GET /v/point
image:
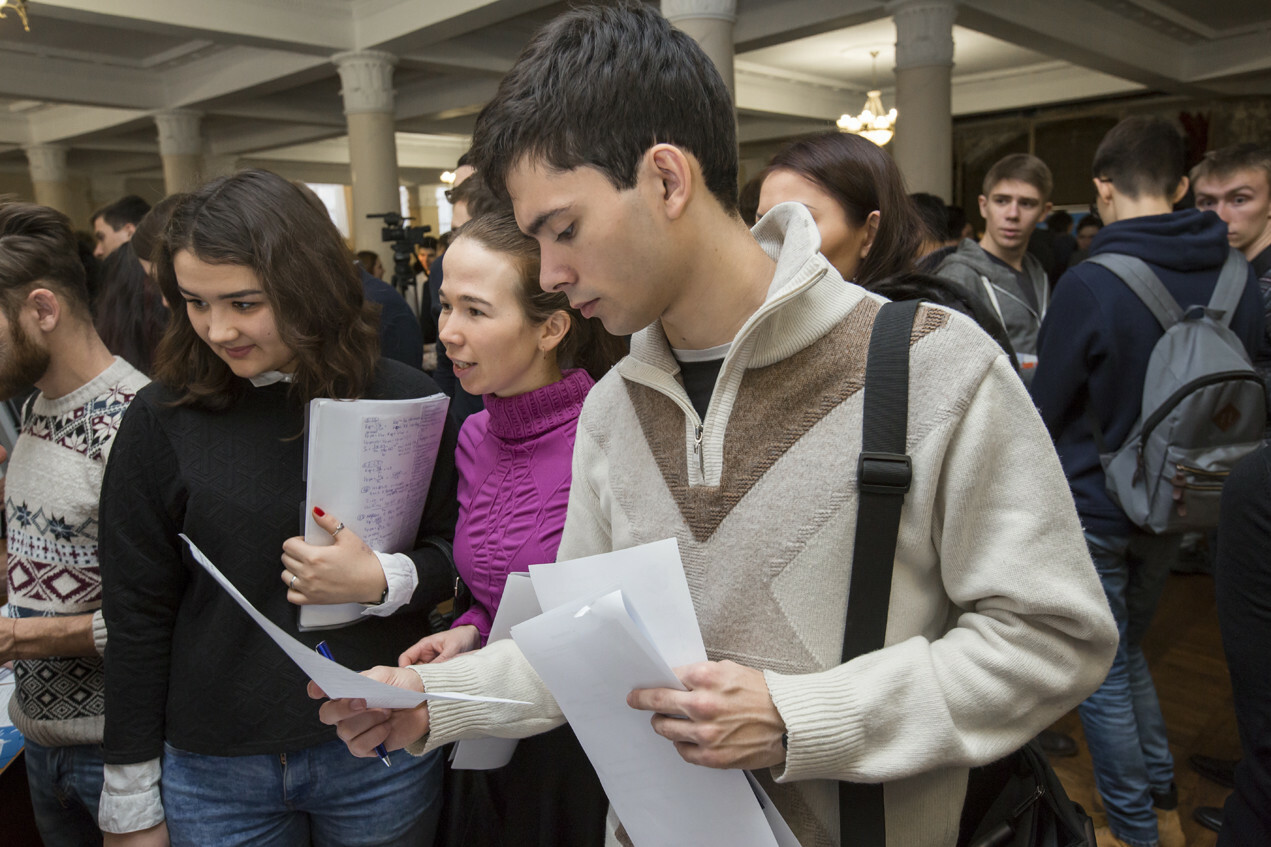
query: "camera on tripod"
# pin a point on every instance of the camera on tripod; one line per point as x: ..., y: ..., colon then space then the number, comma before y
x: 404, y: 240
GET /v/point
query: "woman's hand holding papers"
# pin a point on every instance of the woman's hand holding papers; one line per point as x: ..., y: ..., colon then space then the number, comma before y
x: 347, y: 571
x: 361, y: 729
x: 725, y: 720
x: 441, y: 646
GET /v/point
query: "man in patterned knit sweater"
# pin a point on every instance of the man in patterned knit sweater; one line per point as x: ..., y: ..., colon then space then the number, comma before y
x: 735, y: 425
x: 52, y: 488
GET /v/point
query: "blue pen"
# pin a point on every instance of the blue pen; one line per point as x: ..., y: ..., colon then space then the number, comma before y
x: 380, y: 749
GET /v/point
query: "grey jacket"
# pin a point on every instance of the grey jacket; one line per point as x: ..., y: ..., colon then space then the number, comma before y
x: 971, y: 268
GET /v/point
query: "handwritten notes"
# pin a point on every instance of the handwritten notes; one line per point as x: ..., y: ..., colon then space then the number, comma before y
x: 369, y: 464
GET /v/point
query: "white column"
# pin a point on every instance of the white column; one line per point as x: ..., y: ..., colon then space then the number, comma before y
x: 47, y: 163
x: 181, y: 148
x: 923, y: 146
x: 366, y: 80
x: 710, y: 23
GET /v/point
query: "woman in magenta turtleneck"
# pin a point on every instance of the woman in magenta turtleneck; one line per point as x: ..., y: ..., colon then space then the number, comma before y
x: 533, y: 360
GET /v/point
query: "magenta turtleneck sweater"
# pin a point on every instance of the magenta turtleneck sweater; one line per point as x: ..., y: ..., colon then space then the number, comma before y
x: 514, y: 463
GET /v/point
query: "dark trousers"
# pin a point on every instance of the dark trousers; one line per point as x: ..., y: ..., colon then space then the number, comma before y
x: 1242, y: 576
x: 547, y: 796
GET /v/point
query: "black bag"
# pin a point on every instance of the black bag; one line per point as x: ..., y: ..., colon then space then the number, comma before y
x: 1016, y: 801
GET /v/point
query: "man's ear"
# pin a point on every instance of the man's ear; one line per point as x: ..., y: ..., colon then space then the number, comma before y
x: 1103, y: 188
x: 47, y: 308
x: 553, y: 330
x: 673, y: 173
x: 1181, y: 191
x: 984, y: 207
x: 128, y: 228
x: 1046, y: 210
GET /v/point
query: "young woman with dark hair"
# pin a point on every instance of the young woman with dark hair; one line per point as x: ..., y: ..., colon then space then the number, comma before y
x: 203, y: 712
x: 533, y: 359
x: 869, y: 227
x: 129, y: 312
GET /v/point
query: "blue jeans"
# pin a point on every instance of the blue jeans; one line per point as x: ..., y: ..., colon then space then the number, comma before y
x: 1122, y: 720
x: 320, y: 795
x: 66, y: 785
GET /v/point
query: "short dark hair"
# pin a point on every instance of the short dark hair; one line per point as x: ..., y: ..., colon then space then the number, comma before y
x: 125, y: 210
x: 1225, y: 161
x: 862, y: 178
x: 932, y: 212
x: 367, y: 259
x: 258, y: 220
x: 1024, y: 167
x: 38, y: 249
x: 1059, y: 221
x: 1142, y: 155
x: 476, y: 194
x: 1090, y: 221
x: 599, y: 86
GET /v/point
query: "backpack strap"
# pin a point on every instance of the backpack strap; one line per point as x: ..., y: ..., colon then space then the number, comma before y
x: 1230, y: 287
x: 883, y: 474
x: 1135, y: 273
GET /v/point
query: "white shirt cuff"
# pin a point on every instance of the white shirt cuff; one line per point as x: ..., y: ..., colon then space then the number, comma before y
x: 402, y: 578
x: 130, y: 799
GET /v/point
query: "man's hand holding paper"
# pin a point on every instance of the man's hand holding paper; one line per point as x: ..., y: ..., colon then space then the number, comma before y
x: 726, y: 718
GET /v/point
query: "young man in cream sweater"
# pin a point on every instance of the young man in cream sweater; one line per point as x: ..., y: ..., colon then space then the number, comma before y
x: 735, y: 424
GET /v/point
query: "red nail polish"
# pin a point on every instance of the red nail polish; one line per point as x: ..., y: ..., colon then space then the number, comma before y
x: 319, y: 512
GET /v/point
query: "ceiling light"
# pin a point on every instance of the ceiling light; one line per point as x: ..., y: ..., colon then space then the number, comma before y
x: 872, y: 123
x: 18, y: 6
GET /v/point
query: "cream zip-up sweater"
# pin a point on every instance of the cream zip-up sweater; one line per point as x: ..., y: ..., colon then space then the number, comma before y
x: 997, y: 623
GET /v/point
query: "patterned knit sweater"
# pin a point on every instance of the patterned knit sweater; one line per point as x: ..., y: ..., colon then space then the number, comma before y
x: 51, y: 498
x: 997, y: 622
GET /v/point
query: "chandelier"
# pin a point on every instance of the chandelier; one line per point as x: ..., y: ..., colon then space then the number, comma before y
x: 872, y: 122
x: 18, y: 6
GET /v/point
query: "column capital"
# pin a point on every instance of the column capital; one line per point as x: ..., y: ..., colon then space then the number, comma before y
x: 720, y: 10
x: 924, y: 32
x: 366, y: 80
x: 47, y: 162
x: 179, y: 132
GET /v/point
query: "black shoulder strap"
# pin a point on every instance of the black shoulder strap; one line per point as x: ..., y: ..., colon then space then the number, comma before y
x: 883, y: 474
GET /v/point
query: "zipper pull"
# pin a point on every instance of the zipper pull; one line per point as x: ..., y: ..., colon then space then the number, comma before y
x: 697, y: 448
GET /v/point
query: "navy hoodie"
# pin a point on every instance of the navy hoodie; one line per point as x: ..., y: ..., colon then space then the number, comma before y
x: 1095, y: 342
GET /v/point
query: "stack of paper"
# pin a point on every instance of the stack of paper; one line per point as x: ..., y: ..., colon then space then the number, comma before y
x: 369, y: 464
x: 615, y: 623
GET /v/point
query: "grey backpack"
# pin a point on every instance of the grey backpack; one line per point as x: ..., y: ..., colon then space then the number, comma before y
x: 1204, y: 405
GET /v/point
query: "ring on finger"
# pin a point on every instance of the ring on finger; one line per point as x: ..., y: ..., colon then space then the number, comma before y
x: 292, y: 586
x: 338, y: 529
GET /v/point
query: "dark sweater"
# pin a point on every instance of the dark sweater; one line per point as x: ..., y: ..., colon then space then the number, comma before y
x: 1097, y: 337
x: 185, y: 664
x: 400, y: 336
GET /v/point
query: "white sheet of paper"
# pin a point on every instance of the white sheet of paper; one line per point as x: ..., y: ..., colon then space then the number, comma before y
x: 780, y: 829
x: 517, y: 604
x: 369, y: 464
x: 591, y: 654
x: 651, y: 576
x: 332, y: 677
